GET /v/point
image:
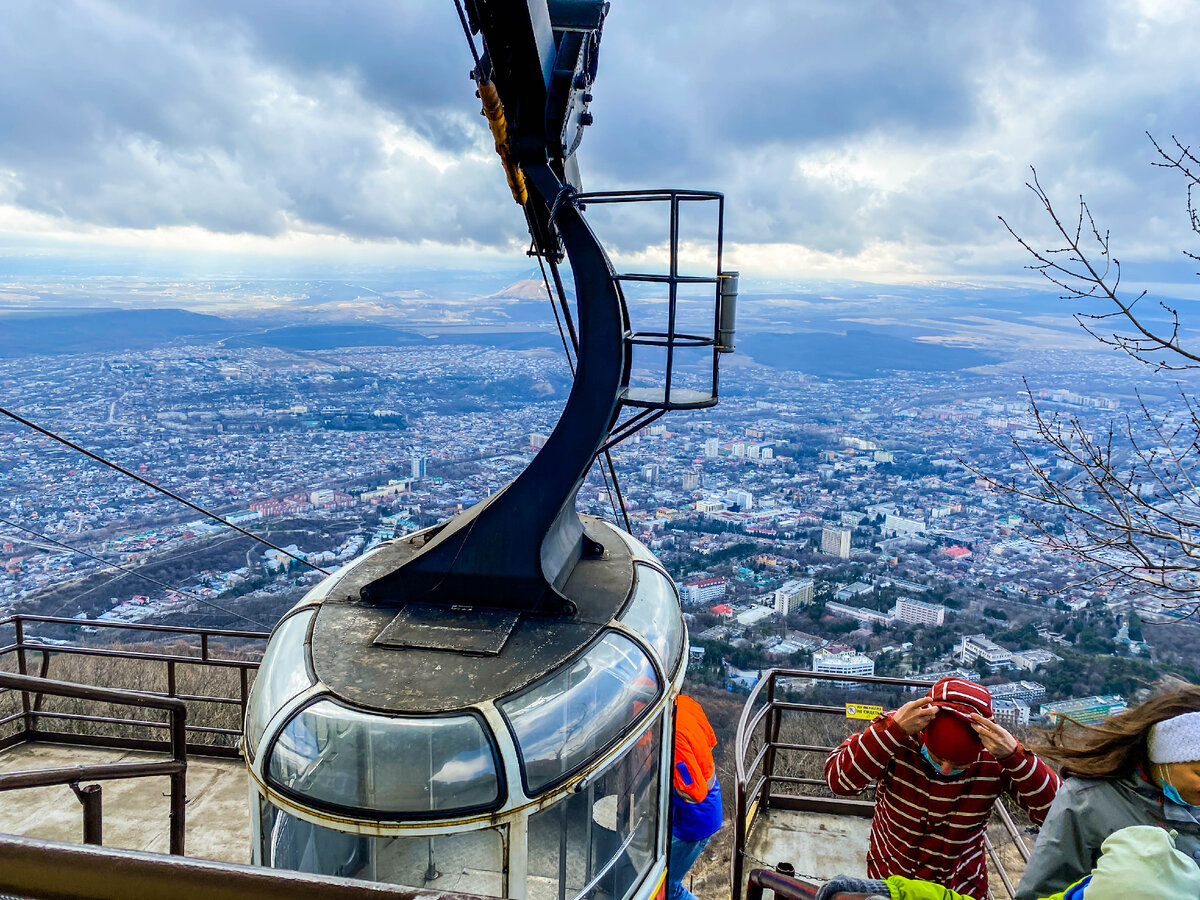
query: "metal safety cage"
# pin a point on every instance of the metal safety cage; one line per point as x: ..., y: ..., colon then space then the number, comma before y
x: 671, y: 340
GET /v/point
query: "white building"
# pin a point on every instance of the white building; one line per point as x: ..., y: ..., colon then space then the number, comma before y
x: 857, y: 589
x: 1029, y: 660
x: 860, y: 614
x: 835, y: 541
x: 702, y: 590
x: 896, y: 526
x: 712, y: 448
x: 744, y: 499
x: 754, y: 615
x: 1019, y: 690
x: 845, y: 663
x: 1010, y: 713
x: 980, y: 646
x: 792, y: 594
x: 918, y: 612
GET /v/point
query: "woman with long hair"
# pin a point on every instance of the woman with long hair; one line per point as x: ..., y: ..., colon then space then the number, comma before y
x: 1141, y: 767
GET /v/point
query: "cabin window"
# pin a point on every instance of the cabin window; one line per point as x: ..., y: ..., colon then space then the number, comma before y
x: 281, y: 676
x: 345, y: 758
x: 601, y: 840
x: 654, y: 613
x: 469, y: 862
x: 572, y: 717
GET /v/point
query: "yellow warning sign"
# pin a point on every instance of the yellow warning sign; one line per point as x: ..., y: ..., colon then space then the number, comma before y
x: 862, y: 711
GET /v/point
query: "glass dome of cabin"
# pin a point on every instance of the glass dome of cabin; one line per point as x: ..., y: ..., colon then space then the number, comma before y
x: 468, y: 749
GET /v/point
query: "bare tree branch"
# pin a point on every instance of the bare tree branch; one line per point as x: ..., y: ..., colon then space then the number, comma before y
x: 1084, y: 268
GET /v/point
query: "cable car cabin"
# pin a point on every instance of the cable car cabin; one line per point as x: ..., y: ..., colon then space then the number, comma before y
x: 473, y: 750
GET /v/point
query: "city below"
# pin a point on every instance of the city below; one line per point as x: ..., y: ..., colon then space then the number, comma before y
x: 840, y: 523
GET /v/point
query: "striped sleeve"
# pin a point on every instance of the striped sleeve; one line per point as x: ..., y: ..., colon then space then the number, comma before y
x: 1033, y: 784
x: 863, y: 757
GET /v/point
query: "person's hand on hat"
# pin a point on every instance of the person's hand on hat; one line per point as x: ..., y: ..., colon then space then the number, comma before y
x: 914, y: 715
x: 994, y: 736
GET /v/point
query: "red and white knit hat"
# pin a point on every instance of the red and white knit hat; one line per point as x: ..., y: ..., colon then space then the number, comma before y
x: 961, y: 697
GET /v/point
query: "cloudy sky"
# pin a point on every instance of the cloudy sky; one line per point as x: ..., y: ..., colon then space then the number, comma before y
x: 863, y: 140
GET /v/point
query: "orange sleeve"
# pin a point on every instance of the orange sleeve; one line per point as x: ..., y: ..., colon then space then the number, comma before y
x: 694, y: 740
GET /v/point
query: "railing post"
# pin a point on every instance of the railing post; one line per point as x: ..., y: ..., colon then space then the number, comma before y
x: 170, y: 678
x: 771, y: 737
x: 244, y: 695
x: 204, y: 646
x: 23, y: 669
x: 178, y: 780
x: 93, y: 819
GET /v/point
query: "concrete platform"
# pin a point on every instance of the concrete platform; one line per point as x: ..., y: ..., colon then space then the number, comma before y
x: 135, y: 809
x: 821, y: 845
x: 818, y: 845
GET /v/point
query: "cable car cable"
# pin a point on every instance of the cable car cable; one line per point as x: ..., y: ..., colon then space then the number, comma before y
x: 617, y: 485
x: 134, y: 572
x: 557, y: 321
x: 462, y: 17
x: 607, y: 487
x: 150, y: 484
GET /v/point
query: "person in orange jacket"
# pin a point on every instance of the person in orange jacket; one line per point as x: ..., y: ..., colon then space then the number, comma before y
x: 696, y: 794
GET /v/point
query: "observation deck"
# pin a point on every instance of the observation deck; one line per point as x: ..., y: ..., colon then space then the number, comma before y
x: 787, y: 821
x: 105, y: 717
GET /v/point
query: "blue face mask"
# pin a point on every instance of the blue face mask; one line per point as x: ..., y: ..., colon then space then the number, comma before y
x: 933, y: 765
x: 1172, y: 794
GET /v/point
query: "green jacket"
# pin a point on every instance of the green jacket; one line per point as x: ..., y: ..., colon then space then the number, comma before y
x: 902, y: 888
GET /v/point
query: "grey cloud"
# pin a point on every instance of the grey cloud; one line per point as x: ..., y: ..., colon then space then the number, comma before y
x: 260, y: 117
x: 131, y: 120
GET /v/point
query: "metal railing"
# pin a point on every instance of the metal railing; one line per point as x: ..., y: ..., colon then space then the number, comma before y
x: 175, y: 768
x: 751, y: 799
x: 785, y: 887
x: 36, y: 869
x: 34, y: 722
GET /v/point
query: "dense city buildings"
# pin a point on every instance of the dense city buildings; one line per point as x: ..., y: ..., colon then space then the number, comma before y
x: 840, y: 518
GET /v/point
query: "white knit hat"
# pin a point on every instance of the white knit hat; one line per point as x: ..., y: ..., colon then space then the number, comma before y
x: 1175, y: 740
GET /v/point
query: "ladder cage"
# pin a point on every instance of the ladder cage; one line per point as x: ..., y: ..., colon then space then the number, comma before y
x: 687, y: 337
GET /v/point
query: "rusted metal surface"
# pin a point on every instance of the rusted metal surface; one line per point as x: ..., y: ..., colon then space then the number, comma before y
x: 93, y: 812
x: 348, y: 657
x: 784, y: 888
x: 47, y: 870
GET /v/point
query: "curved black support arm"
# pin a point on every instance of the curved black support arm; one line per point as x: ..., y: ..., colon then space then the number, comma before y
x: 516, y: 549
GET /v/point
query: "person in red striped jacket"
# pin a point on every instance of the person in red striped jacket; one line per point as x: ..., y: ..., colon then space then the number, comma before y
x: 941, y: 764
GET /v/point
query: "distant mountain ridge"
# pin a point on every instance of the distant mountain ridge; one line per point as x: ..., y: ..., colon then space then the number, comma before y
x: 117, y: 331
x: 87, y: 331
x: 857, y: 354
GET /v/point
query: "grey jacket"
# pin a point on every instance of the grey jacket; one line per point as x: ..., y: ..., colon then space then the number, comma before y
x: 1085, y: 812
